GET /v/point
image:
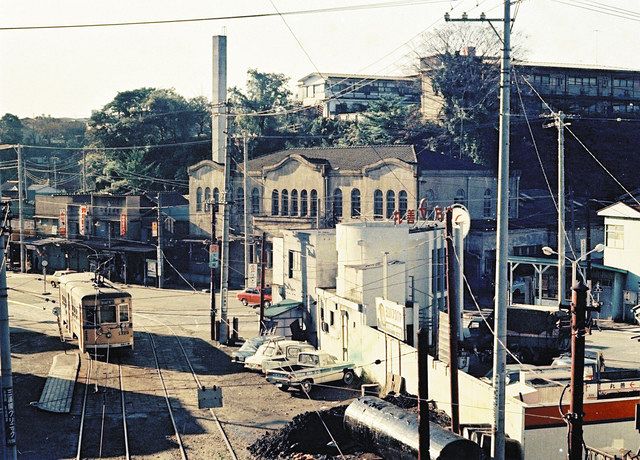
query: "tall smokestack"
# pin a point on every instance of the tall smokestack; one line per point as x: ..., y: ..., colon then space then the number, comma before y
x: 219, y: 99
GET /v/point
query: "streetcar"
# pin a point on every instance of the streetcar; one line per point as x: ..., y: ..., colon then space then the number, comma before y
x: 95, y: 312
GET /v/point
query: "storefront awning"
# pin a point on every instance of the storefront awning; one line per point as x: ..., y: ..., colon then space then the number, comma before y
x: 281, y: 307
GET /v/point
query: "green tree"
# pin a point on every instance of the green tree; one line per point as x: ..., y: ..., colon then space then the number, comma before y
x: 166, y: 128
x: 11, y: 129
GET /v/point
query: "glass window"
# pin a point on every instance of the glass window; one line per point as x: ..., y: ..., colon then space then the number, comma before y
x: 285, y: 202
x: 107, y: 313
x: 294, y: 202
x: 216, y: 197
x: 304, y: 203
x: 124, y: 313
x: 614, y: 236
x: 255, y: 201
x: 207, y: 199
x: 402, y: 202
x: 377, y: 204
x: 90, y: 316
x: 199, y: 199
x: 391, y: 203
x: 460, y: 197
x: 313, y: 206
x: 337, y: 203
x: 275, y: 202
x: 356, y: 210
x: 487, y: 203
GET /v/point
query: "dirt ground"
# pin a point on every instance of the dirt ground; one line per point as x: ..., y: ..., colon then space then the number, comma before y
x: 251, y: 408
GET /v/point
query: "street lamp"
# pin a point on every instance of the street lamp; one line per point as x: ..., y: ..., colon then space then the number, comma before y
x: 547, y: 251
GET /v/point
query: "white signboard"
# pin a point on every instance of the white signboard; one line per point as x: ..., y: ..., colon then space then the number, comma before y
x: 390, y: 316
x: 252, y: 276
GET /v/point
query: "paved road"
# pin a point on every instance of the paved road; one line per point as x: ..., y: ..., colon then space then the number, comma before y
x: 251, y: 405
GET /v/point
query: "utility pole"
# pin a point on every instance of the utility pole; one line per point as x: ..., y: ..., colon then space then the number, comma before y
x: 84, y: 171
x: 424, y: 434
x: 263, y: 265
x: 245, y: 150
x: 212, y: 268
x: 576, y: 415
x: 558, y: 122
x: 20, y: 210
x: 5, y: 359
x: 160, y: 254
x: 502, y: 233
x: 452, y: 307
x: 224, y: 272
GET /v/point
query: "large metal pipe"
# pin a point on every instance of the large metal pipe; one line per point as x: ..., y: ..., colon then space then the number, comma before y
x: 393, y: 432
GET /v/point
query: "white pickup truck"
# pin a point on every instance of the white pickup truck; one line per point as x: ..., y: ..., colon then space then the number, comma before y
x: 276, y: 353
x: 312, y: 368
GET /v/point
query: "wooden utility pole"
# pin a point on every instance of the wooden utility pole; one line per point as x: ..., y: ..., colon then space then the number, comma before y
x: 212, y: 269
x: 21, y: 199
x: 575, y: 416
x: 245, y: 151
x: 159, y: 253
x: 263, y: 265
x: 454, y: 314
x: 423, y: 395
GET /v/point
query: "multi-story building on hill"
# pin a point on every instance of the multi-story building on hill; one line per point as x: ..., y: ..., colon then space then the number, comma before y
x: 345, y: 95
x: 573, y: 88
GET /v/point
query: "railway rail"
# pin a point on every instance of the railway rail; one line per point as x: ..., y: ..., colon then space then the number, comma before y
x: 103, y: 420
x: 196, y: 380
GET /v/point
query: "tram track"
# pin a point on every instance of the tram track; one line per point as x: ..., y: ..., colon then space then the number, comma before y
x: 103, y: 430
x: 196, y: 381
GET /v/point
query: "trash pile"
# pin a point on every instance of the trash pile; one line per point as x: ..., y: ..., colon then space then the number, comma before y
x: 410, y: 403
x: 306, y: 434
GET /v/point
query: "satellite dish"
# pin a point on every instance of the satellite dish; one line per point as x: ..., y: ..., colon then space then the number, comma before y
x: 461, y: 217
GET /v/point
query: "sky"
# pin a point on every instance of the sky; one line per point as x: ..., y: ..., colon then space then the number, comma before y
x: 70, y: 72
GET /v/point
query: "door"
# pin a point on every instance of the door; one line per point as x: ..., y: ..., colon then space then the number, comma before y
x: 345, y: 336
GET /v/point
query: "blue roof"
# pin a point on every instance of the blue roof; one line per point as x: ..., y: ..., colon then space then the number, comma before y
x: 281, y: 307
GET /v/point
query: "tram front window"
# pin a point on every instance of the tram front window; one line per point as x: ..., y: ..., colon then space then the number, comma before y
x: 124, y: 313
x: 90, y: 316
x: 108, y: 314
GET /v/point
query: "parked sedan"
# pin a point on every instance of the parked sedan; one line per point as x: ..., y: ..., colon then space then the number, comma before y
x: 251, y: 296
x: 55, y: 278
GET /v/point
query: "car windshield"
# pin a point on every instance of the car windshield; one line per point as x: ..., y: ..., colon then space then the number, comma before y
x: 309, y: 360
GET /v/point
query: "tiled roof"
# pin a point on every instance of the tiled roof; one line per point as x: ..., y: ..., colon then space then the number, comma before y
x: 432, y: 161
x: 346, y: 158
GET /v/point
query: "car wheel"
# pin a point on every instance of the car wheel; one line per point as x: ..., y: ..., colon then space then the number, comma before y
x: 307, y: 386
x: 267, y: 304
x: 244, y: 302
x: 283, y: 387
x: 349, y: 377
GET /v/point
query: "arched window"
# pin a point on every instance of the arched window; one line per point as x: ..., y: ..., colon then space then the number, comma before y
x: 487, y: 203
x: 304, y: 203
x: 216, y: 197
x: 337, y: 203
x: 294, y: 202
x: 285, y: 202
x: 240, y: 199
x: 431, y: 199
x: 207, y: 199
x: 255, y: 201
x: 313, y: 206
x: 391, y: 203
x: 460, y: 197
x: 275, y: 202
x: 199, y: 199
x: 402, y: 202
x: 378, y: 204
x: 355, y: 203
